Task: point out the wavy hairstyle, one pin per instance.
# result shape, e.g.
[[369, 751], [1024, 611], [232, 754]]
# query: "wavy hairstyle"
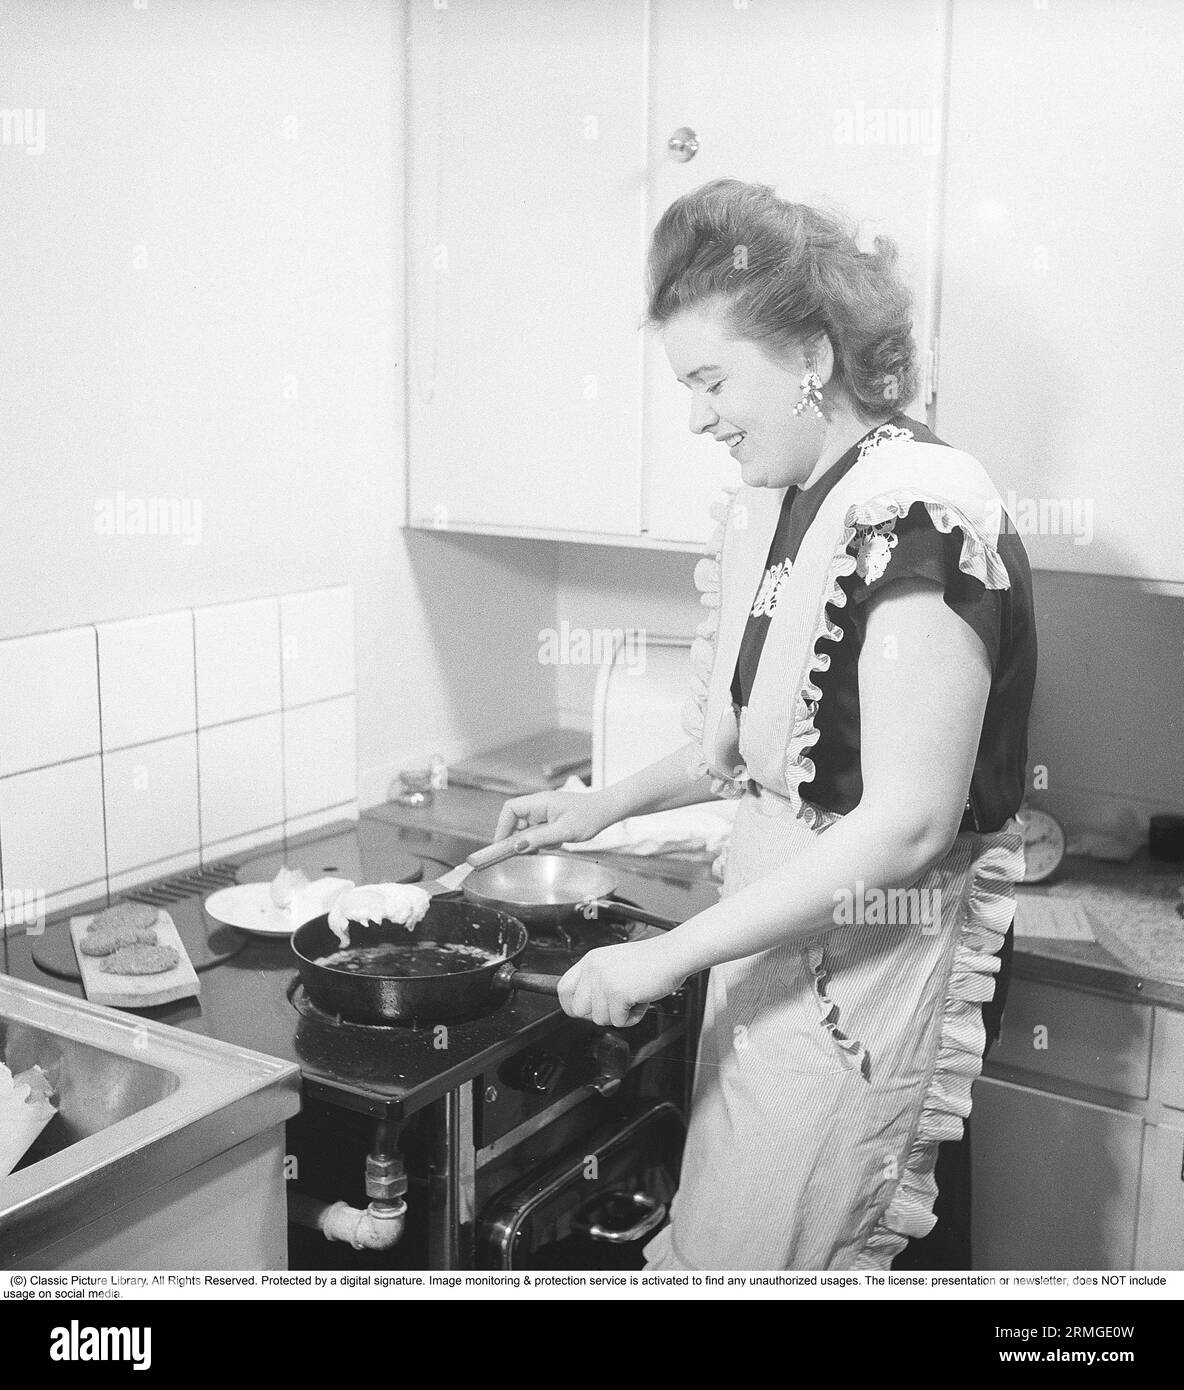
[[783, 273]]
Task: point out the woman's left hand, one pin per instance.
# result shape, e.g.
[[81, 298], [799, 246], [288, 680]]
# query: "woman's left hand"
[[613, 984]]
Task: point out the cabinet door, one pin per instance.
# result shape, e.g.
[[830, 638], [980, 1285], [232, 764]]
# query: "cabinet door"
[[1055, 1181], [1061, 336], [1101, 1043], [834, 104], [524, 194], [1161, 1200]]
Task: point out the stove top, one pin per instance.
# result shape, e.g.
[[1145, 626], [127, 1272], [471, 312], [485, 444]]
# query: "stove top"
[[252, 999]]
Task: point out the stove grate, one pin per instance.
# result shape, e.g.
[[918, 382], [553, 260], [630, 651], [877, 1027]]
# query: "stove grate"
[[198, 883]]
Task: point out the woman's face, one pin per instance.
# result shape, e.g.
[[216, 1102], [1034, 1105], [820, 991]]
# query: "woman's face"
[[745, 400]]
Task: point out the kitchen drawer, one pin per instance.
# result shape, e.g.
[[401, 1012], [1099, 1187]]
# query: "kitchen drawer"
[[1101, 1043], [1161, 1199], [1167, 1077], [1055, 1181]]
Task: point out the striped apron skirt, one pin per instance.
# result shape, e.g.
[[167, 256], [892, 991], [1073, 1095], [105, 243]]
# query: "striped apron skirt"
[[831, 1068]]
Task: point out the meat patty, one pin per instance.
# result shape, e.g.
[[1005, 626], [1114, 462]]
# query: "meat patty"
[[102, 943], [140, 960], [124, 915]]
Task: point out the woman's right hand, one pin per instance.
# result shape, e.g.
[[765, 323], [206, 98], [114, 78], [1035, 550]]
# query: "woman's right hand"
[[553, 818]]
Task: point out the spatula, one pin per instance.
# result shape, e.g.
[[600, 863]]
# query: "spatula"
[[479, 859]]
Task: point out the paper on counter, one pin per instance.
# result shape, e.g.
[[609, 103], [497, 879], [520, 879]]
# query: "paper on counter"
[[25, 1110], [1056, 919]]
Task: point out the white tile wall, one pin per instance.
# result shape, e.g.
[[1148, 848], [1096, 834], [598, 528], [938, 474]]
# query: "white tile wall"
[[51, 829], [150, 793], [238, 660], [320, 757], [262, 690], [318, 645], [242, 778], [146, 679], [49, 699]]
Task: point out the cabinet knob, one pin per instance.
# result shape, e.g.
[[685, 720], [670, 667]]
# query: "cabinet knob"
[[683, 144]]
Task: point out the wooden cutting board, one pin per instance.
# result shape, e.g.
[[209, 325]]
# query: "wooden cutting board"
[[136, 991]]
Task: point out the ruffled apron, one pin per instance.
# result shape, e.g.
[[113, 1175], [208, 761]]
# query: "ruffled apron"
[[830, 1069]]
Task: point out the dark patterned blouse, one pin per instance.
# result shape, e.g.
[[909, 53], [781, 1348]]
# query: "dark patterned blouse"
[[912, 547]]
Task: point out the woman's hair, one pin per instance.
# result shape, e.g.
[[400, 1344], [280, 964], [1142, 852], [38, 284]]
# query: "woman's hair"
[[783, 273]]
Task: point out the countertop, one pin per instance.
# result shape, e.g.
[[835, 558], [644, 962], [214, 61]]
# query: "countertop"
[[1131, 906]]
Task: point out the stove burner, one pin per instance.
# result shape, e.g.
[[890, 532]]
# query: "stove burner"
[[301, 1001]]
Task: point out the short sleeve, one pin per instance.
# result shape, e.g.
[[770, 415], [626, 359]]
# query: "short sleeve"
[[913, 548]]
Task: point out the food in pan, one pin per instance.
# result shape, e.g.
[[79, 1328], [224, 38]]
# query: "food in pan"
[[422, 958], [403, 903], [141, 960], [103, 943], [121, 916]]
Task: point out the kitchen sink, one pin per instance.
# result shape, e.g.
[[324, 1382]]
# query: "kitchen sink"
[[93, 1088], [167, 1151]]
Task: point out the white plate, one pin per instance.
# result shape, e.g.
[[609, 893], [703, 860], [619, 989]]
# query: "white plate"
[[249, 907]]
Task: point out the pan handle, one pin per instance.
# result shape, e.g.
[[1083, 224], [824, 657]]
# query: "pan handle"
[[605, 909], [508, 977]]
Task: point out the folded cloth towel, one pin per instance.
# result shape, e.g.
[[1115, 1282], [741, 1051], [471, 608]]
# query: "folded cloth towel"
[[688, 832], [25, 1110]]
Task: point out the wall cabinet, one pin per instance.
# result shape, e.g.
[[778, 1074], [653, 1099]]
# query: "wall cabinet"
[[1060, 335], [837, 105], [1078, 1153], [524, 201], [537, 165]]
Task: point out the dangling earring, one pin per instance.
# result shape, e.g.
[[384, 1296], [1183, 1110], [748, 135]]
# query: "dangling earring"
[[811, 393]]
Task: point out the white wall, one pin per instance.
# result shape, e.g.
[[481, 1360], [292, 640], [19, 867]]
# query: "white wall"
[[201, 300]]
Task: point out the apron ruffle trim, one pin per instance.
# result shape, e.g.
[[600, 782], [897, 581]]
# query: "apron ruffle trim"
[[854, 1052], [978, 558], [707, 581], [990, 906]]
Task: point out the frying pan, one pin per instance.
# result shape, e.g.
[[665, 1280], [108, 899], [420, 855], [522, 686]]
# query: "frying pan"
[[455, 998], [545, 888]]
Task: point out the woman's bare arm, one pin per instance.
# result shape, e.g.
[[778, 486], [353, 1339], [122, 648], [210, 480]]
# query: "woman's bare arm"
[[924, 676], [662, 786], [550, 818]]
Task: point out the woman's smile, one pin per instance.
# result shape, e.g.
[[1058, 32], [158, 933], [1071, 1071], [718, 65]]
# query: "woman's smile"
[[743, 399]]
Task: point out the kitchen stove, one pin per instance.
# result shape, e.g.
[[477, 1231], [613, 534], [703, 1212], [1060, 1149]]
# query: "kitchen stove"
[[516, 1140]]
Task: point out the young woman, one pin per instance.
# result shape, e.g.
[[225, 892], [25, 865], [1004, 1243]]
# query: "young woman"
[[863, 681]]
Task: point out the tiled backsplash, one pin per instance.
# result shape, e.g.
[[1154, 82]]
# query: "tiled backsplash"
[[136, 749]]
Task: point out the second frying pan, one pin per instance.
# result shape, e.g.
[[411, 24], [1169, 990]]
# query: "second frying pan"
[[546, 888]]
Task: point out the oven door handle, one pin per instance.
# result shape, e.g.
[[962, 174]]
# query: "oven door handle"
[[654, 1214]]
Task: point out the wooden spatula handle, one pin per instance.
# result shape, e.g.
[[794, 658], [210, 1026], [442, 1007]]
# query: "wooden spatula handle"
[[495, 853]]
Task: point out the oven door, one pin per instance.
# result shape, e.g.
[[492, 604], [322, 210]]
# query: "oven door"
[[596, 1205]]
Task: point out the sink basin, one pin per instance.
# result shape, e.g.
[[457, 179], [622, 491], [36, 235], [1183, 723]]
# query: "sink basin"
[[147, 1115], [93, 1087]]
